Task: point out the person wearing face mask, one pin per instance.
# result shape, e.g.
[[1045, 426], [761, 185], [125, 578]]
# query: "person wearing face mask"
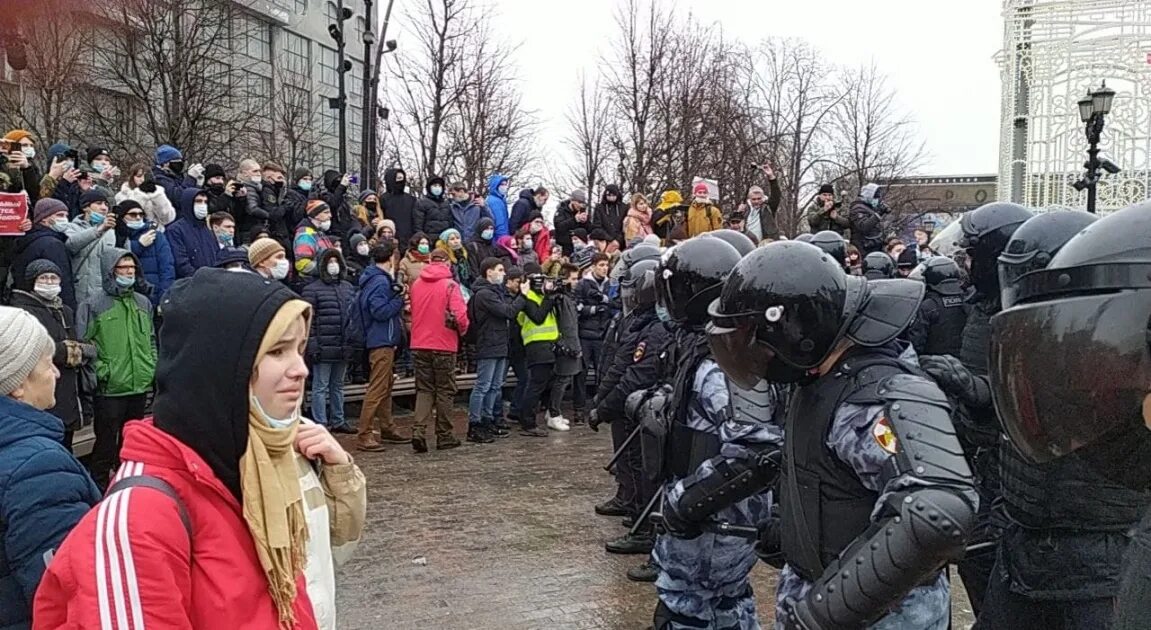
[[151, 246], [247, 506], [335, 194], [359, 257], [273, 193], [332, 298], [267, 257], [297, 196], [366, 216], [398, 205], [312, 237], [531, 201], [90, 234], [525, 247], [118, 321], [100, 169], [415, 259], [466, 212], [541, 236], [45, 240], [23, 174], [193, 241], [140, 188], [702, 214], [493, 318], [168, 173], [866, 219], [453, 245], [483, 246], [44, 303], [497, 204], [610, 213], [44, 491], [434, 210]]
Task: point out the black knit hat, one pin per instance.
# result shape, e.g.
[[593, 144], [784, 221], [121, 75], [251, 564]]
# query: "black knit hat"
[[214, 170], [300, 173], [39, 267], [95, 152], [92, 196], [827, 189]]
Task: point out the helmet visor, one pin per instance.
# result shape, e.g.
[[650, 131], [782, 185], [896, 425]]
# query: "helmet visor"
[[1066, 372], [742, 357], [627, 296]]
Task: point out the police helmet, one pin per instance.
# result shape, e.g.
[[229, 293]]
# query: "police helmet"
[[1034, 244], [1070, 363], [637, 289], [986, 231], [739, 241], [831, 243], [804, 238], [940, 274], [691, 275], [878, 266], [635, 254]]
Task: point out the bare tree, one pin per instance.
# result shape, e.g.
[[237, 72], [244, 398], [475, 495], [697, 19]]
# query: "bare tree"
[[588, 119], [295, 123]]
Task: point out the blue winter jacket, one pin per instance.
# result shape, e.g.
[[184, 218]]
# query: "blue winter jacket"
[[157, 262], [44, 492], [174, 187], [497, 205], [193, 243], [383, 309]]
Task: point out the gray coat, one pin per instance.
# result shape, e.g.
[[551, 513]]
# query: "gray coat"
[[85, 246], [567, 317]]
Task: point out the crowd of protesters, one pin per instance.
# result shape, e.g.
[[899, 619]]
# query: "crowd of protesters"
[[121, 313]]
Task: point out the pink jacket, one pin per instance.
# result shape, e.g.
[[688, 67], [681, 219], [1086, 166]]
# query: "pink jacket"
[[433, 294]]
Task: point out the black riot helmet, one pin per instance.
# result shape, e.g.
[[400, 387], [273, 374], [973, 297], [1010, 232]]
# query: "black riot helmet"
[[805, 237], [691, 275], [878, 266], [1070, 363], [833, 244], [940, 275], [637, 289], [1034, 244], [740, 242], [986, 231]]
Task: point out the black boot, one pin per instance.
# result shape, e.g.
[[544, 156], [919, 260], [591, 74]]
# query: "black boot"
[[478, 434], [640, 543], [646, 572], [497, 430], [612, 507]]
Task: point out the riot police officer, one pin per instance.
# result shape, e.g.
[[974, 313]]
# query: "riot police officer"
[[1071, 374], [703, 582], [938, 328], [878, 266], [619, 504], [805, 237], [986, 231], [635, 367], [876, 496], [833, 244], [738, 240], [1059, 556]]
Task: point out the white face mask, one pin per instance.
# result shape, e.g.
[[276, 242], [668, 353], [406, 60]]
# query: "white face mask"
[[29, 152], [200, 210], [47, 291], [280, 269], [362, 249], [333, 269], [256, 179], [324, 226], [275, 423]]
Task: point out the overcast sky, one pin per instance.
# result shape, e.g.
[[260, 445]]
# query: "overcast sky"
[[938, 55]]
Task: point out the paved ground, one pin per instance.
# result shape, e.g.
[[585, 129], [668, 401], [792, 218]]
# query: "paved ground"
[[498, 536]]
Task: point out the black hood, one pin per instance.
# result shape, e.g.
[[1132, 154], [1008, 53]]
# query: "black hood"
[[436, 179], [205, 362], [325, 257], [332, 180], [483, 224], [391, 186], [530, 195], [612, 189]]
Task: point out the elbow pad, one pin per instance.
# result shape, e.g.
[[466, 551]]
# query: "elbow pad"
[[733, 481]]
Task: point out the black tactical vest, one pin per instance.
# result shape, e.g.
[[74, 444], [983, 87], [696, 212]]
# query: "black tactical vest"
[[946, 336], [688, 448], [979, 429], [824, 506], [1066, 494]]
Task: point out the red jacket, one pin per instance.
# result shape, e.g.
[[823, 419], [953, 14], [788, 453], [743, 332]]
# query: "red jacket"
[[433, 293], [127, 564]]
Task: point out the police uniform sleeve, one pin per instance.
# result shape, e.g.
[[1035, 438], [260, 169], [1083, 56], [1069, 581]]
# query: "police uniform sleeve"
[[923, 518], [920, 329], [639, 370]]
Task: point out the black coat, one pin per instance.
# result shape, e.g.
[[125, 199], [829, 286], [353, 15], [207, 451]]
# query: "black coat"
[[635, 366], [332, 299], [494, 316], [479, 249], [609, 216], [938, 327], [866, 228], [400, 207], [524, 207], [594, 308], [61, 324], [565, 222], [46, 243], [434, 216], [295, 206]]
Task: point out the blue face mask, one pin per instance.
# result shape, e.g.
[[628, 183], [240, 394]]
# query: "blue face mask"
[[224, 238], [125, 281], [275, 423], [488, 234], [662, 313], [134, 225], [437, 191], [305, 186], [96, 218]]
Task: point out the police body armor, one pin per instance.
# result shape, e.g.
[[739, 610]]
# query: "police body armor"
[[946, 336], [825, 507]]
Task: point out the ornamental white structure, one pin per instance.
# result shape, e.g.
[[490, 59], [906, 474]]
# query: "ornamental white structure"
[[1054, 53]]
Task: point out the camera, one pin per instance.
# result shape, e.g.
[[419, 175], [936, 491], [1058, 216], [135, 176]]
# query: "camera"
[[74, 155], [536, 282]]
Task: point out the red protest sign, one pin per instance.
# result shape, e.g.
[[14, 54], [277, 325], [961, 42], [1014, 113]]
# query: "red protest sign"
[[13, 212]]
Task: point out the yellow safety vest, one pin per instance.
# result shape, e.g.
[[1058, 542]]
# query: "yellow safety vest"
[[533, 332]]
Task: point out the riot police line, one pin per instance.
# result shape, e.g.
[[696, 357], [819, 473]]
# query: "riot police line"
[[896, 462]]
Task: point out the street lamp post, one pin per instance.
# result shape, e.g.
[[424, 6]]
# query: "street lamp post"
[[373, 110], [1093, 110], [369, 38], [340, 103]]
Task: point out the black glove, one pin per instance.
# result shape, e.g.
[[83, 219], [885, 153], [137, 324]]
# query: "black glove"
[[148, 186], [593, 420], [398, 288], [675, 524], [954, 378]]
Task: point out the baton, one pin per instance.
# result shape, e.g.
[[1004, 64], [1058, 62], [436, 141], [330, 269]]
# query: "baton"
[[622, 447], [720, 528], [646, 513]]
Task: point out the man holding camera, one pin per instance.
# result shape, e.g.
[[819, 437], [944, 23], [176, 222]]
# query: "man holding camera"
[[823, 213], [540, 331]]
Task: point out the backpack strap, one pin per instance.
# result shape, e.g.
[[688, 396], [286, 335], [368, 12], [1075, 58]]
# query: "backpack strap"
[[155, 483]]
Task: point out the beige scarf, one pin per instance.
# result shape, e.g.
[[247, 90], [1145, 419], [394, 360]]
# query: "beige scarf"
[[270, 485]]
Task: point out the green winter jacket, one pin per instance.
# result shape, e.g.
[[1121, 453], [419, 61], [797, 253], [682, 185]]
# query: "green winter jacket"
[[119, 322]]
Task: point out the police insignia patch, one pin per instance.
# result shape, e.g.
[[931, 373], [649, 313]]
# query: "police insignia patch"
[[884, 435], [639, 350]]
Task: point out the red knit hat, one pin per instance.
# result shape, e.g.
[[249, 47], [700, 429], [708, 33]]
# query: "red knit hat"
[[700, 190]]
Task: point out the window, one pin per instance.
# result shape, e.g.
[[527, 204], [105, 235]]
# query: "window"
[[253, 38], [327, 157], [355, 123], [295, 57], [329, 119], [329, 66], [355, 79], [301, 7], [258, 93]]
